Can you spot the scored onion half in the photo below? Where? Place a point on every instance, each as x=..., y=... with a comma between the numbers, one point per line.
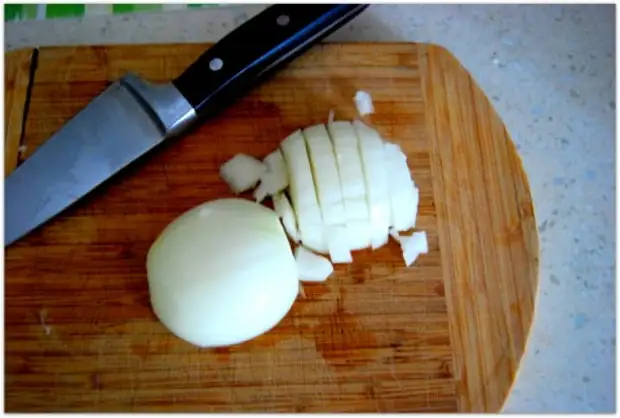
x=349, y=190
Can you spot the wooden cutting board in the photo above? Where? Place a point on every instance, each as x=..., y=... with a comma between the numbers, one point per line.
x=444, y=335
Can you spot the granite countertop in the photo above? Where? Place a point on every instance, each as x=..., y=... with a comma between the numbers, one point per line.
x=550, y=70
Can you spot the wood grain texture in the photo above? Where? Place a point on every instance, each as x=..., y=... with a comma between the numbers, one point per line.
x=444, y=335
x=16, y=82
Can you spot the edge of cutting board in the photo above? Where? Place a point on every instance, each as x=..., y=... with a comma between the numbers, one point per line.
x=474, y=367
x=454, y=164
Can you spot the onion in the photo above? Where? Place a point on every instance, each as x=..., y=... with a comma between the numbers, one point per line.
x=376, y=178
x=275, y=178
x=325, y=173
x=301, y=183
x=222, y=273
x=312, y=267
x=338, y=244
x=404, y=195
x=242, y=172
x=350, y=189
x=413, y=246
x=363, y=103
x=285, y=211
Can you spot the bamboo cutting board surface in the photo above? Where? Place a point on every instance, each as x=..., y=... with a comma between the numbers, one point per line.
x=444, y=335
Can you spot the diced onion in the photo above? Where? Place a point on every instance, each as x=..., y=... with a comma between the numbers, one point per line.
x=363, y=103
x=413, y=246
x=285, y=211
x=242, y=172
x=275, y=179
x=312, y=267
x=338, y=244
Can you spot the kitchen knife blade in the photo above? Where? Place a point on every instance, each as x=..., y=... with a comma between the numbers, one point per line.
x=133, y=116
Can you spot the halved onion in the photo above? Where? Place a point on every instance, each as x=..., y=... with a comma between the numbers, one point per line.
x=222, y=273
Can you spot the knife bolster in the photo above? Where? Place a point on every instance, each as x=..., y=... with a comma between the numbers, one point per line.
x=164, y=102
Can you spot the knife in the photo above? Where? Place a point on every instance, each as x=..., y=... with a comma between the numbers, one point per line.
x=132, y=116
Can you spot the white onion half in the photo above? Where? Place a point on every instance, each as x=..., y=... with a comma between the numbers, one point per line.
x=222, y=273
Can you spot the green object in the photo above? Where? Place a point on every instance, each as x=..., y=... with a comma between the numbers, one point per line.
x=122, y=8
x=12, y=11
x=64, y=10
x=30, y=11
x=16, y=12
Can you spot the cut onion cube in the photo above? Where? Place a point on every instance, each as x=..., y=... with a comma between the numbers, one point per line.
x=299, y=171
x=338, y=244
x=348, y=159
x=363, y=103
x=413, y=246
x=358, y=234
x=301, y=183
x=285, y=211
x=312, y=236
x=376, y=178
x=242, y=172
x=404, y=195
x=275, y=179
x=312, y=267
x=325, y=174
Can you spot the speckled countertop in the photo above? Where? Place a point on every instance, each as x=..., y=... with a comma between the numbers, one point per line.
x=550, y=69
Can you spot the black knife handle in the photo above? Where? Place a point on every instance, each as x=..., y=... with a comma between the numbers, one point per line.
x=256, y=49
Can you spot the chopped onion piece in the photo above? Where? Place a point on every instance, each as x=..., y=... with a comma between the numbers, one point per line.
x=413, y=246
x=348, y=159
x=338, y=244
x=277, y=168
x=312, y=236
x=275, y=179
x=302, y=188
x=331, y=116
x=358, y=234
x=376, y=178
x=285, y=211
x=312, y=267
x=404, y=195
x=363, y=102
x=262, y=191
x=325, y=173
x=242, y=172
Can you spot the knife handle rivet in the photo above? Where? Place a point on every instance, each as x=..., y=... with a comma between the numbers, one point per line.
x=283, y=20
x=216, y=64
